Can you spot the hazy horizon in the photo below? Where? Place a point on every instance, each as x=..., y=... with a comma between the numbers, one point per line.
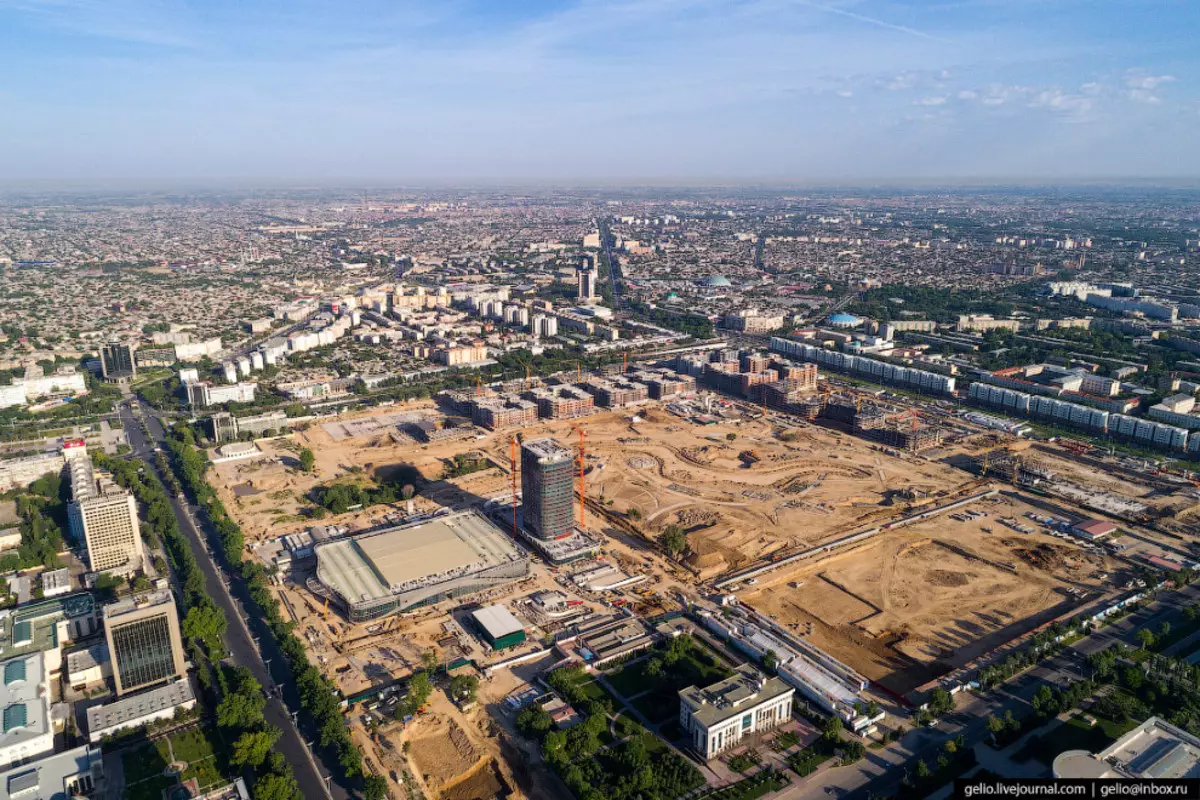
x=792, y=92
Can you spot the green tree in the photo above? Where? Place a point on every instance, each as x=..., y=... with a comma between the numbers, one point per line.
x=205, y=623
x=242, y=708
x=375, y=787
x=921, y=769
x=307, y=460
x=252, y=747
x=274, y=786
x=673, y=541
x=463, y=688
x=1146, y=638
x=832, y=728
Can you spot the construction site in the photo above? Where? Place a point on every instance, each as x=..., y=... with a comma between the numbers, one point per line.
x=843, y=530
x=907, y=604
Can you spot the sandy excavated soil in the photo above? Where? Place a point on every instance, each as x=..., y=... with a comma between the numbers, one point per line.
x=910, y=604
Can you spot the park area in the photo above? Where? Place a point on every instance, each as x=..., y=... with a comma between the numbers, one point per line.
x=651, y=684
x=146, y=773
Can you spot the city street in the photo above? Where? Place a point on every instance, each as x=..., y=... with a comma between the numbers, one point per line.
x=246, y=648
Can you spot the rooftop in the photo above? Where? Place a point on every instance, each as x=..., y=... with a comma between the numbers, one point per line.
x=137, y=602
x=746, y=688
x=25, y=698
x=1154, y=749
x=497, y=620
x=48, y=777
x=548, y=449
x=135, y=706
x=409, y=556
x=35, y=626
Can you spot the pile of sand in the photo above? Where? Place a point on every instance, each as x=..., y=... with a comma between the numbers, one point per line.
x=443, y=754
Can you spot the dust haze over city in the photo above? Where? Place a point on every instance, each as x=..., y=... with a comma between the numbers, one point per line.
x=654, y=400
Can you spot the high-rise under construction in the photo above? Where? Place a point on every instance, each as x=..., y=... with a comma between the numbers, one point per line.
x=548, y=488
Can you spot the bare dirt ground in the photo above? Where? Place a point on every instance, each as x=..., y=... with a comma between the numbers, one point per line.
x=913, y=603
x=455, y=755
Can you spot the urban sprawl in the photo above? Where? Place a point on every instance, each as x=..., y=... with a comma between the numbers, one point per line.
x=597, y=494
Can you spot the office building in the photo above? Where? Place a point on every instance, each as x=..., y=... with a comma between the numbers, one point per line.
x=117, y=362
x=144, y=641
x=718, y=717
x=548, y=488
x=203, y=394
x=102, y=515
x=586, y=283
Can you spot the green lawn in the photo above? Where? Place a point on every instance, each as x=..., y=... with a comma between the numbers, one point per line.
x=149, y=789
x=658, y=707
x=698, y=667
x=191, y=745
x=806, y=761
x=145, y=762
x=1075, y=734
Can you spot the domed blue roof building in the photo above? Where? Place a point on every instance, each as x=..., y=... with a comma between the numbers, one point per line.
x=717, y=282
x=843, y=320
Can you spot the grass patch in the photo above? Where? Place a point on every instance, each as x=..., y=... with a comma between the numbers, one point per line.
x=807, y=760
x=627, y=726
x=1074, y=734
x=658, y=708
x=151, y=789
x=145, y=762
x=191, y=745
x=751, y=788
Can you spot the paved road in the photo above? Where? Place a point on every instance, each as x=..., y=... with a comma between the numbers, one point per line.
x=606, y=242
x=244, y=646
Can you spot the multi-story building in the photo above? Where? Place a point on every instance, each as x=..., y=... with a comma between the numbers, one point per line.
x=753, y=321
x=985, y=322
x=503, y=412
x=117, y=362
x=144, y=641
x=103, y=516
x=154, y=357
x=17, y=473
x=458, y=354
x=548, y=488
x=586, y=283
x=227, y=428
x=203, y=394
x=616, y=393
x=562, y=402
x=717, y=717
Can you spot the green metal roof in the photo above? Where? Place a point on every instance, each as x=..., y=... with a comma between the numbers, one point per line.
x=14, y=671
x=15, y=717
x=22, y=632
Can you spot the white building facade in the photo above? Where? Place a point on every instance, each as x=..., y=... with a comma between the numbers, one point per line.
x=718, y=717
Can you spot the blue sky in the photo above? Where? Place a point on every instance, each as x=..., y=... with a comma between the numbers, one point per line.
x=612, y=90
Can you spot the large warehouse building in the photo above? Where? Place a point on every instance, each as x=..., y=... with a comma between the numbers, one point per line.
x=418, y=564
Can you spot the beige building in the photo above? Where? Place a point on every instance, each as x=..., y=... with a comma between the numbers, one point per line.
x=103, y=516
x=143, y=641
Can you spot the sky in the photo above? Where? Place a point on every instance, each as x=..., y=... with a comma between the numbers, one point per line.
x=769, y=91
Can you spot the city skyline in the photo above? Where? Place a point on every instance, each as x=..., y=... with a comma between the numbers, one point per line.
x=757, y=91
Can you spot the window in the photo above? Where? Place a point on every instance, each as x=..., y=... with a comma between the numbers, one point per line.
x=747, y=721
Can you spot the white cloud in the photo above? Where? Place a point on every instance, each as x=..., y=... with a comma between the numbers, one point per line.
x=967, y=94
x=845, y=93
x=1141, y=88
x=1061, y=102
x=930, y=101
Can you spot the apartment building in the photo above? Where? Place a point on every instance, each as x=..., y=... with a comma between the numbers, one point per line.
x=103, y=516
